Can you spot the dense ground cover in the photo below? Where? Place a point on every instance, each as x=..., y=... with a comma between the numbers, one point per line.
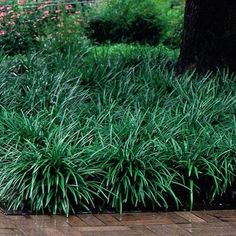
x=112, y=127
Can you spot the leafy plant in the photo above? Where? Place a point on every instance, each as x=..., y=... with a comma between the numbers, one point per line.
x=135, y=174
x=76, y=122
x=119, y=21
x=44, y=166
x=25, y=28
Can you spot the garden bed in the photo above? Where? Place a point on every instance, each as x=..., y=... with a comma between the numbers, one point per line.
x=111, y=127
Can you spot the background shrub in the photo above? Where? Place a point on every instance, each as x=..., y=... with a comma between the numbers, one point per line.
x=24, y=28
x=125, y=21
x=148, y=22
x=21, y=30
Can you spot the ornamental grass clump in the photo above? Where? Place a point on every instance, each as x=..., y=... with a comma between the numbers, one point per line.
x=136, y=175
x=44, y=167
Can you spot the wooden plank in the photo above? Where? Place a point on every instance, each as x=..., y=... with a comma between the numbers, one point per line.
x=31, y=231
x=205, y=216
x=53, y=232
x=211, y=230
x=232, y=224
x=11, y=232
x=7, y=224
x=148, y=224
x=143, y=230
x=204, y=225
x=144, y=218
x=136, y=216
x=167, y=230
x=75, y=221
x=112, y=233
x=176, y=219
x=21, y=220
x=18, y=218
x=190, y=217
x=103, y=228
x=91, y=220
x=103, y=231
x=71, y=232
x=51, y=222
x=108, y=219
x=223, y=215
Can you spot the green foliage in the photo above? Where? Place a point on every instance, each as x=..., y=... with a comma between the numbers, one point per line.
x=67, y=33
x=174, y=19
x=125, y=56
x=27, y=28
x=84, y=128
x=149, y=22
x=125, y=21
x=20, y=31
x=117, y=118
x=44, y=166
x=135, y=174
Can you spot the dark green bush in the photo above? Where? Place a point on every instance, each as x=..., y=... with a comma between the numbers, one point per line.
x=125, y=21
x=144, y=30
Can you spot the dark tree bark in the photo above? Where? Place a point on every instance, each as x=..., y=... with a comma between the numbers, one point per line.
x=209, y=39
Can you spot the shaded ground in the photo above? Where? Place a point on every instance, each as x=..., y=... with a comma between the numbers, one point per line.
x=174, y=223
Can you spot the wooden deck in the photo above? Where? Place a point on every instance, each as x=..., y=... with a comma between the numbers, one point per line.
x=147, y=224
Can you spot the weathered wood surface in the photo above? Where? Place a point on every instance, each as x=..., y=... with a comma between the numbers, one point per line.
x=146, y=224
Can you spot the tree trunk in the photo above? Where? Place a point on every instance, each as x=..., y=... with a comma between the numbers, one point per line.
x=209, y=39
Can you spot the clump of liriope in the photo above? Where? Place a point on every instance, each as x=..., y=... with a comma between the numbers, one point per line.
x=44, y=166
x=135, y=174
x=73, y=125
